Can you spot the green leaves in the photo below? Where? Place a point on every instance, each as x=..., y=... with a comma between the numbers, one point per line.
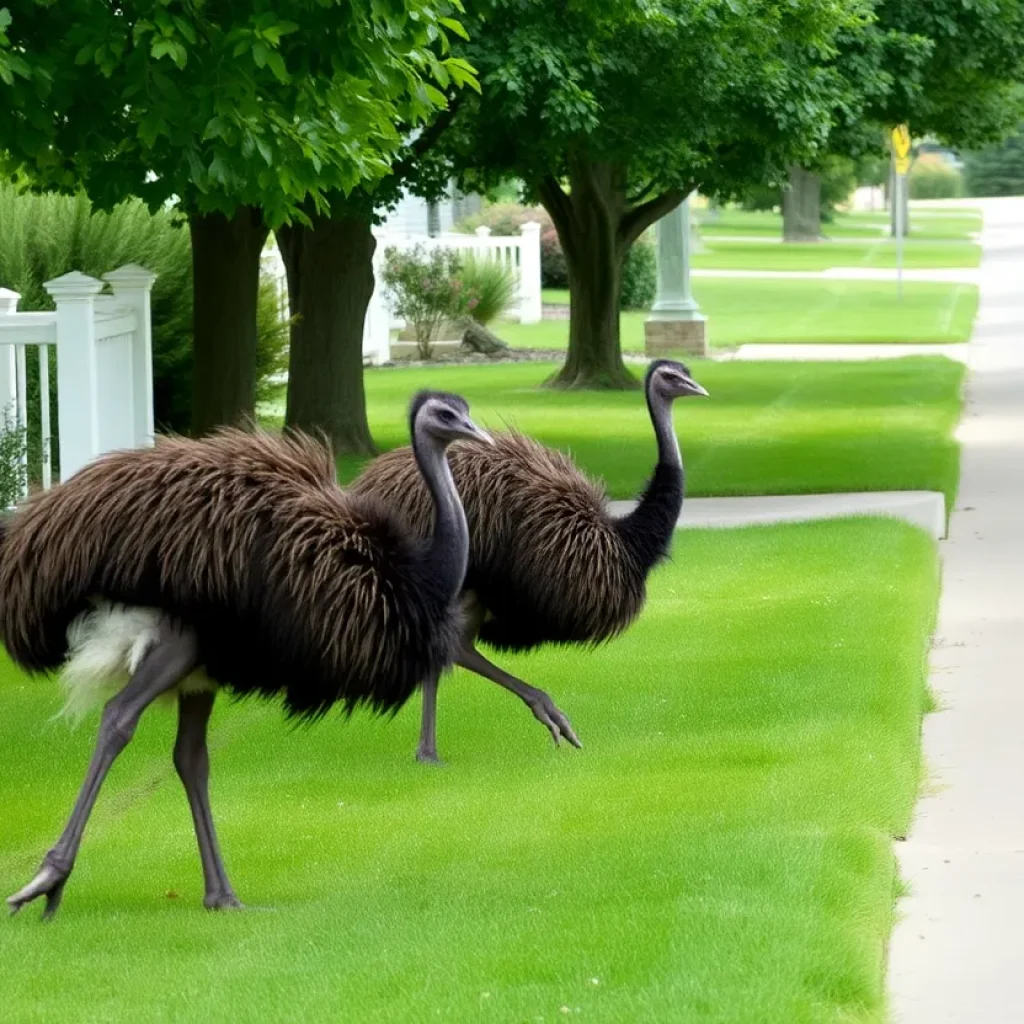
x=222, y=104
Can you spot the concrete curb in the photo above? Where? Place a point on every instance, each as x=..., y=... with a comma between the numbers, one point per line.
x=826, y=353
x=924, y=509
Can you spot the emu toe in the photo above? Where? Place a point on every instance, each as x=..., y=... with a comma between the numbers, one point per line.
x=545, y=711
x=222, y=901
x=49, y=882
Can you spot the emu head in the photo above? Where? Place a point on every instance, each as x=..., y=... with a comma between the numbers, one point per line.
x=444, y=418
x=668, y=380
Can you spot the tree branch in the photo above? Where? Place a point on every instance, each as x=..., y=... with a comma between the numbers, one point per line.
x=641, y=217
x=640, y=196
x=428, y=138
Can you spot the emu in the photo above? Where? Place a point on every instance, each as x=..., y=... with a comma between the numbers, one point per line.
x=547, y=563
x=234, y=561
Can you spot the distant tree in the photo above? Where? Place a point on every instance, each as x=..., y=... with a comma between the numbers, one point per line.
x=946, y=68
x=244, y=116
x=997, y=170
x=611, y=111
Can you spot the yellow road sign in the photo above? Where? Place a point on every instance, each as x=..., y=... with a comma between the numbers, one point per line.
x=902, y=164
x=901, y=140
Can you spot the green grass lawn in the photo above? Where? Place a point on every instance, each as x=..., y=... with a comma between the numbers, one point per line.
x=816, y=256
x=720, y=851
x=949, y=225
x=751, y=310
x=768, y=428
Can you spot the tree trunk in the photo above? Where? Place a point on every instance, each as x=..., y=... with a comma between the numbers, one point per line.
x=330, y=283
x=588, y=221
x=801, y=206
x=594, y=359
x=226, y=279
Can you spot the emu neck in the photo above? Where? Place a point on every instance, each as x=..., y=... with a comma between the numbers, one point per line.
x=448, y=551
x=661, y=419
x=647, y=530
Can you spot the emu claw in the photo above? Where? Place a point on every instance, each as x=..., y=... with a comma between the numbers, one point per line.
x=49, y=882
x=545, y=711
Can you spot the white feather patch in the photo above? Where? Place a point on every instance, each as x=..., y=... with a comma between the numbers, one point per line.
x=105, y=647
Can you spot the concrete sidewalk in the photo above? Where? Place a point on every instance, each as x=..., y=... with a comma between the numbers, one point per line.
x=956, y=953
x=926, y=509
x=935, y=275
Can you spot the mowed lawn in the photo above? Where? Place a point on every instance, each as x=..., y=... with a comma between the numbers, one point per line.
x=951, y=225
x=817, y=256
x=768, y=428
x=743, y=311
x=720, y=851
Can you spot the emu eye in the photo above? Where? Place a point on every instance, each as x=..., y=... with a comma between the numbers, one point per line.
x=447, y=415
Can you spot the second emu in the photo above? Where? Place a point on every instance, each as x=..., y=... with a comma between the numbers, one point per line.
x=547, y=563
x=233, y=562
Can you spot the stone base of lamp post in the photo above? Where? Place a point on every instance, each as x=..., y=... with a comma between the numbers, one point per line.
x=666, y=338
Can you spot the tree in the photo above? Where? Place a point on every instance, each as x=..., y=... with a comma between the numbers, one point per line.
x=244, y=116
x=612, y=111
x=997, y=170
x=329, y=266
x=947, y=69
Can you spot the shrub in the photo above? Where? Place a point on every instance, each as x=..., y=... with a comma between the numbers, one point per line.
x=493, y=286
x=997, y=170
x=47, y=235
x=508, y=218
x=639, y=276
x=427, y=290
x=553, y=270
x=932, y=178
x=13, y=451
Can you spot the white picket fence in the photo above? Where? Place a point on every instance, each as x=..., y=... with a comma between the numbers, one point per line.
x=104, y=364
x=520, y=254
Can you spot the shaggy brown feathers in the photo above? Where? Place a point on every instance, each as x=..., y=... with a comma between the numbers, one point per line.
x=292, y=585
x=547, y=563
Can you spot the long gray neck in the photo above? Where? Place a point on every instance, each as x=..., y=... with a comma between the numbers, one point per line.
x=660, y=409
x=448, y=552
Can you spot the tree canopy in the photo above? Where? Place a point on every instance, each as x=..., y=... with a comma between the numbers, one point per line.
x=998, y=169
x=219, y=104
x=611, y=111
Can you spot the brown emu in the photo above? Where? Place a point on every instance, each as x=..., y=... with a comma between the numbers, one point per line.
x=233, y=561
x=547, y=563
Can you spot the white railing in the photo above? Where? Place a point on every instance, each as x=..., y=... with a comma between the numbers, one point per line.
x=104, y=365
x=520, y=254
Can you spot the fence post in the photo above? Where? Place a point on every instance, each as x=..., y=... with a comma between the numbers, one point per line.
x=531, y=308
x=131, y=285
x=8, y=366
x=75, y=296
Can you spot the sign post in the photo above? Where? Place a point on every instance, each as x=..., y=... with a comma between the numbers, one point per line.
x=900, y=138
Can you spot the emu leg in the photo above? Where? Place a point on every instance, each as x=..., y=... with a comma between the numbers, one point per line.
x=426, y=752
x=542, y=706
x=192, y=762
x=163, y=667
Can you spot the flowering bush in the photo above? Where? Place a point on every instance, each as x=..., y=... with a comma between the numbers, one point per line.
x=427, y=289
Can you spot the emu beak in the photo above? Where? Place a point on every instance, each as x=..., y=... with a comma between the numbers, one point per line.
x=695, y=388
x=473, y=432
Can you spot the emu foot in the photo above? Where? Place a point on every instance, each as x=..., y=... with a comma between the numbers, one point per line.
x=49, y=881
x=545, y=711
x=222, y=901
x=427, y=755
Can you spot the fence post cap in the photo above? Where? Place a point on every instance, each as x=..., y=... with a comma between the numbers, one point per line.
x=131, y=275
x=483, y=231
x=74, y=285
x=529, y=227
x=9, y=300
